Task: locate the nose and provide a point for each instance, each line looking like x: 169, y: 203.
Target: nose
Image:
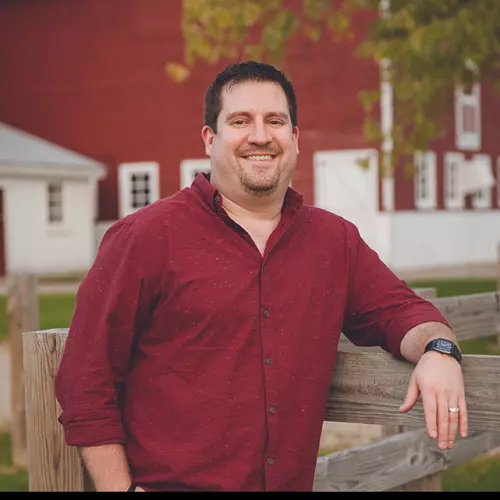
x: 259, y: 134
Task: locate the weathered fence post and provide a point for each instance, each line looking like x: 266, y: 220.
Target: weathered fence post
x: 498, y: 284
x: 52, y: 465
x: 22, y: 316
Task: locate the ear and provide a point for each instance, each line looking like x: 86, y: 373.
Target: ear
x: 208, y: 136
x: 296, y: 138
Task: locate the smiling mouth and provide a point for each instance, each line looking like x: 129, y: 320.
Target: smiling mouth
x: 266, y: 157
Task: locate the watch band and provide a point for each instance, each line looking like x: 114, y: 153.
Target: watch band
x: 444, y: 346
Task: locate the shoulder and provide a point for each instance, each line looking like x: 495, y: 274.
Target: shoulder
x: 149, y: 220
x: 330, y: 223
x: 148, y: 230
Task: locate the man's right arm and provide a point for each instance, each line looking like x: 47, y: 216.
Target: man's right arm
x: 111, y: 307
x: 108, y: 467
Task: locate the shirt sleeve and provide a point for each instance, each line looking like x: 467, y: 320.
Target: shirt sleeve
x: 381, y: 308
x: 111, y: 305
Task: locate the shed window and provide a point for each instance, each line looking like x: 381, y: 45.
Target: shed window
x: 55, y: 202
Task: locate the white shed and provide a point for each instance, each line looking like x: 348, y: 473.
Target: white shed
x: 48, y: 205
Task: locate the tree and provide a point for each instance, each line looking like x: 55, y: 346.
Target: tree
x: 433, y: 46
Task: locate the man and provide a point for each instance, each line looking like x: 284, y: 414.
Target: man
x: 203, y: 341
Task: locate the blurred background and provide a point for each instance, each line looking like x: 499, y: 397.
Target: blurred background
x: 101, y: 107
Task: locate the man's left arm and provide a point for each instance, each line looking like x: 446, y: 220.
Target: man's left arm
x: 438, y: 379
x: 381, y: 310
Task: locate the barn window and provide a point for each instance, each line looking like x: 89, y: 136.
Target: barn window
x: 468, y: 118
x: 55, y: 202
x: 453, y: 195
x: 498, y: 182
x: 482, y: 166
x: 425, y: 179
x: 189, y: 169
x: 138, y: 186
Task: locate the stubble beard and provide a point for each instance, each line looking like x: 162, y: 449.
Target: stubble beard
x: 261, y: 187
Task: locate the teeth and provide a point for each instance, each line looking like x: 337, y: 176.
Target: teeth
x: 260, y: 158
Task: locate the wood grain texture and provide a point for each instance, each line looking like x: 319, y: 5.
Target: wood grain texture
x: 369, y: 387
x: 22, y: 316
x: 52, y: 465
x: 395, y: 461
x: 428, y: 483
x: 471, y: 316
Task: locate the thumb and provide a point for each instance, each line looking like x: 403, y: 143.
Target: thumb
x: 411, y: 396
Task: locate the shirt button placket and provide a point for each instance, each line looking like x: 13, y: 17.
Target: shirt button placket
x: 271, y: 394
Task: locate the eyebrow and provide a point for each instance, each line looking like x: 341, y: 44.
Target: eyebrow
x: 280, y: 114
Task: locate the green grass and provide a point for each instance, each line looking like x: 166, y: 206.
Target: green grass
x: 56, y: 311
x: 451, y: 287
x: 480, y: 474
x: 10, y: 479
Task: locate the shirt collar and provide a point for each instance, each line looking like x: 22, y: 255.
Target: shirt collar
x: 208, y: 193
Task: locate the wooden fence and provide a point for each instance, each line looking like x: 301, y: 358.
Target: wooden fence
x: 367, y: 387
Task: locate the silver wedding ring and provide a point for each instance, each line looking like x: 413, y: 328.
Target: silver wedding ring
x: 453, y: 410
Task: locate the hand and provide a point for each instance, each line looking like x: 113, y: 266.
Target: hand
x: 138, y: 488
x: 438, y: 378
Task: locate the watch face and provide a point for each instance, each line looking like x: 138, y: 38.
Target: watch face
x: 444, y: 346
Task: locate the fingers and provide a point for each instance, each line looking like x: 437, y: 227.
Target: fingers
x: 430, y: 414
x: 463, y: 417
x: 452, y: 424
x: 411, y: 397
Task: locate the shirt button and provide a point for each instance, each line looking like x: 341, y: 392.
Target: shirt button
x: 272, y: 410
x: 266, y: 313
x: 217, y: 198
x: 270, y: 461
x: 268, y: 361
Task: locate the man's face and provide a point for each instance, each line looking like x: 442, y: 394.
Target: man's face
x: 256, y: 146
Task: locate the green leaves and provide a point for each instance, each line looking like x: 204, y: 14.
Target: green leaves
x: 433, y: 46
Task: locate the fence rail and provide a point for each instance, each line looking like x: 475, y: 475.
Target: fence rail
x: 367, y: 387
x: 395, y: 461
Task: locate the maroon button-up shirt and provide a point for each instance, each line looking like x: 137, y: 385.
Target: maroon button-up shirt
x: 211, y: 363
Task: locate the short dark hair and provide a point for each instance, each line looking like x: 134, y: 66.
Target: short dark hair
x: 243, y: 72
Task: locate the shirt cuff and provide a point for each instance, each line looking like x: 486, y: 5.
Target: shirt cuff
x: 400, y: 325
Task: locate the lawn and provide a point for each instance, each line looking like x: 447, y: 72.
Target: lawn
x: 450, y: 288
x: 479, y: 475
x: 55, y: 312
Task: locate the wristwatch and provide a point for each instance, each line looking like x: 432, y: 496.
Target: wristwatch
x: 444, y: 346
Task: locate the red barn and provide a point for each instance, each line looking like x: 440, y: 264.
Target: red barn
x: 90, y: 76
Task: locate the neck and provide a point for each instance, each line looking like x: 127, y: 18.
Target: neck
x: 247, y: 206
x: 262, y: 212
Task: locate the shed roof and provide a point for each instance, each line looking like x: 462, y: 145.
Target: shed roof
x: 20, y: 147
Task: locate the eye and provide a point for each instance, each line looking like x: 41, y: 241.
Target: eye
x: 276, y: 122
x: 239, y: 123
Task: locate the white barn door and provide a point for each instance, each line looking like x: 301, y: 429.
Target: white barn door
x: 344, y: 187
